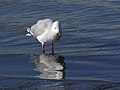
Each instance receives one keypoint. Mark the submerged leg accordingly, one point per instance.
(43, 48)
(52, 46)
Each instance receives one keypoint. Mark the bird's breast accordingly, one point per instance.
(53, 37)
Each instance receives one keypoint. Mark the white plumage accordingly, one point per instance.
(45, 31)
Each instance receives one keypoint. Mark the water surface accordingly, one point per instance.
(89, 47)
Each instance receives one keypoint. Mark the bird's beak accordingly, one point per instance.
(59, 34)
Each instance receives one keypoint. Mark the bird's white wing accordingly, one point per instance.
(41, 26)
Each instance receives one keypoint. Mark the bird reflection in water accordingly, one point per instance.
(50, 66)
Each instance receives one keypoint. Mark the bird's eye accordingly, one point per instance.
(55, 28)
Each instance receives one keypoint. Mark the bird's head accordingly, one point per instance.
(56, 27)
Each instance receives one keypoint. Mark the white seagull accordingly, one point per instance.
(45, 30)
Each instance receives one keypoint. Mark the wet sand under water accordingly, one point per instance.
(42, 84)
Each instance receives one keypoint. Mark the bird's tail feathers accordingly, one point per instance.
(28, 32)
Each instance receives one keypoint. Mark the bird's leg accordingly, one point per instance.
(52, 46)
(43, 49)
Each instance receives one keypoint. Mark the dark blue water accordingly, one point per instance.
(88, 50)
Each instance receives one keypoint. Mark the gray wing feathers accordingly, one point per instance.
(41, 26)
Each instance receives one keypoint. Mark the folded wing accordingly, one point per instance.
(41, 26)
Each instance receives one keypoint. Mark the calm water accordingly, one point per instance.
(88, 50)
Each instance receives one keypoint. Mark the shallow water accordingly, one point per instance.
(89, 46)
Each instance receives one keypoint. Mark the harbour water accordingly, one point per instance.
(89, 49)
